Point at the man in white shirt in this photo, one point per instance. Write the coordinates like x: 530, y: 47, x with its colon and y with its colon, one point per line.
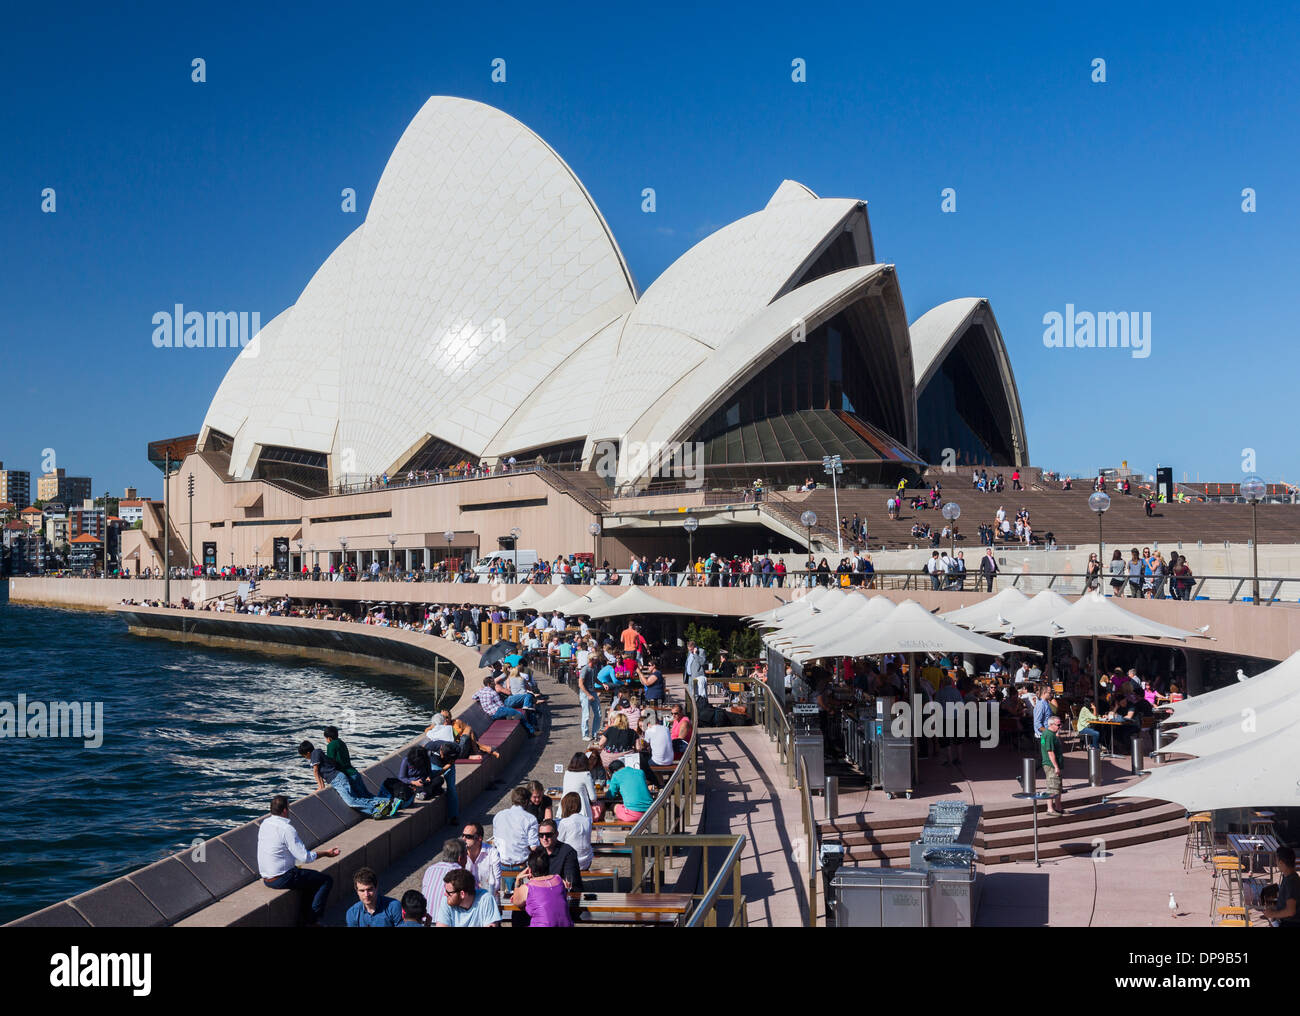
x: 481, y: 860
x: 557, y: 622
x: 278, y: 848
x: 539, y: 623
x: 996, y: 669
x: 1001, y: 516
x: 1022, y: 675
x: 946, y: 569
x: 659, y: 739
x: 439, y: 728
x: 514, y: 830
x: 694, y: 665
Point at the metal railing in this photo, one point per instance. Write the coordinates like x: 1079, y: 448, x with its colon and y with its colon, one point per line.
x: 810, y: 831
x: 671, y: 812
x: 705, y: 913
x: 1230, y: 588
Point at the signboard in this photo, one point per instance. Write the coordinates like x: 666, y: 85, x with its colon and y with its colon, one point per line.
x: 209, y: 554
x: 805, y: 709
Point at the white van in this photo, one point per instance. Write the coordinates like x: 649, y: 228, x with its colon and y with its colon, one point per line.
x: 523, y: 559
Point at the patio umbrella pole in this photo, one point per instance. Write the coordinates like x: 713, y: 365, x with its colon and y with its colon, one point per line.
x: 1096, y: 676
x: 911, y: 702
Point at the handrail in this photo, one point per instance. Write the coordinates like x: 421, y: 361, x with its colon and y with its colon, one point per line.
x: 672, y: 809
x: 810, y: 830
x: 705, y: 913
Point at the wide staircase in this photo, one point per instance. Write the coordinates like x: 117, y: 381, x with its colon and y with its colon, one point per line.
x: 1007, y: 835
x: 1065, y: 514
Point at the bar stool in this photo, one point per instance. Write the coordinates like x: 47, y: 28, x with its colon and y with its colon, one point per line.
x: 1261, y: 824
x: 1232, y: 917
x: 1200, y: 839
x: 1225, y: 889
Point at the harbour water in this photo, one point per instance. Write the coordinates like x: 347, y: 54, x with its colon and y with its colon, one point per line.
x: 194, y: 742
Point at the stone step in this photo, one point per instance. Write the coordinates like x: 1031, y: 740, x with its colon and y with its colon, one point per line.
x: 991, y: 829
x: 1053, y: 840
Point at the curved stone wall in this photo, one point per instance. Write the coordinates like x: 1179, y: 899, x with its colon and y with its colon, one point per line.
x: 217, y: 883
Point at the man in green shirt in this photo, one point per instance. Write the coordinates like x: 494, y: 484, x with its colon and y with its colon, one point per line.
x: 1050, y: 745
x: 337, y: 752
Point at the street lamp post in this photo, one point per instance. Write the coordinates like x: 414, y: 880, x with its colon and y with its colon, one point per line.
x: 449, y: 536
x: 301, y: 563
x: 690, y: 524
x: 343, y: 557
x: 392, y: 553
x: 515, y: 533
x: 952, y: 512
x: 594, y: 530
x: 1099, y: 502
x: 1252, y: 489
x: 809, y: 519
x: 832, y: 465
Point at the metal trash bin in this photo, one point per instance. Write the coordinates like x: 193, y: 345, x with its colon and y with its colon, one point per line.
x: 880, y: 898
x: 954, y: 899
x: 811, y: 746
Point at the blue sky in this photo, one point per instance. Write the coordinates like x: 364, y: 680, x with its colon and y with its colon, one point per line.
x: 1117, y: 196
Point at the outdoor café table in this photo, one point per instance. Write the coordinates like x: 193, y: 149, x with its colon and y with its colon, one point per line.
x: 1112, y: 724
x: 645, y: 907
x: 1258, y: 848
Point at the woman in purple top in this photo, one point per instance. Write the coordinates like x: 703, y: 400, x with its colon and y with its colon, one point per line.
x: 544, y: 897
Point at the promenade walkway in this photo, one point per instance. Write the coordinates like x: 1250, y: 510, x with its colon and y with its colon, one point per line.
x: 746, y: 792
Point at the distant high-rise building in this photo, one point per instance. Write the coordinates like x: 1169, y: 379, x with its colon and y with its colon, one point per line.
x: 58, y: 486
x: 15, y: 486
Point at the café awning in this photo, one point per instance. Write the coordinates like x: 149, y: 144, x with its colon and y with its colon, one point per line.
x: 990, y: 614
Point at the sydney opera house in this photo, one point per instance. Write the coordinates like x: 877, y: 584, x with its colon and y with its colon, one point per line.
x: 484, y: 312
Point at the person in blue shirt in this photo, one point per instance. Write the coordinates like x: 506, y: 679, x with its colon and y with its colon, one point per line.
x: 371, y: 909
x: 415, y: 912
x: 1042, y: 710
x: 606, y: 676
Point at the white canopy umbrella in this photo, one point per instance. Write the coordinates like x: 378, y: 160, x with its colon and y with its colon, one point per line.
x: 1237, y: 727
x: 1275, y: 683
x: 801, y: 598
x: 837, y: 640
x: 586, y: 602
x: 1259, y: 773
x: 1099, y: 617
x: 990, y: 614
x: 1094, y: 616
x: 530, y: 597
x: 560, y: 600
x: 828, y: 612
x: 635, y: 601
x: 1042, y: 605
x: 910, y: 628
